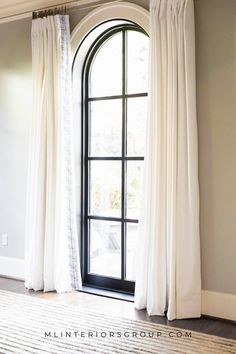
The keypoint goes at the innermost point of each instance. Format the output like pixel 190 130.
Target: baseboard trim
pixel 12 268
pixel 214 304
pixel 219 305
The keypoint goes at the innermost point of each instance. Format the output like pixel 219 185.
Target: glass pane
pixel 105 188
pixel 136 126
pixel 131 244
pixel 106 69
pixel 105 248
pixel 137 65
pixel 134 188
pixel 106 128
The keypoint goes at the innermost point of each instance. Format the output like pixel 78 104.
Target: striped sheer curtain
pixel 52 257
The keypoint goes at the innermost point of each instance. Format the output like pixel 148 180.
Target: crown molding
pixel 11 10
pixel 17 7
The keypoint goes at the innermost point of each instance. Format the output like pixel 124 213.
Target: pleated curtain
pixel 52 257
pixel 168 268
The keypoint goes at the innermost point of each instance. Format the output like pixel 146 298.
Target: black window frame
pixel 94 280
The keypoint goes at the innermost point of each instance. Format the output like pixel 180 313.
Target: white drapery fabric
pixel 168 268
pixel 52 257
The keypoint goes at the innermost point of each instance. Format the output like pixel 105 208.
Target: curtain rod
pixel 50 12
pixel 80 4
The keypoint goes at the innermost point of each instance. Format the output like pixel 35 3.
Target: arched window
pixel 114 116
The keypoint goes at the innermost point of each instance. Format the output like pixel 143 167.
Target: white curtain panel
pixel 168 268
pixel 52 257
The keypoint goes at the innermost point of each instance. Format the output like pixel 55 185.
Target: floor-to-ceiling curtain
pixel 52 258
pixel 168 267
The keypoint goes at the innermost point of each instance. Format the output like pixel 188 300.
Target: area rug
pixel 32 325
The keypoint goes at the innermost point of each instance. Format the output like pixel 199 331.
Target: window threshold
pixel 107 293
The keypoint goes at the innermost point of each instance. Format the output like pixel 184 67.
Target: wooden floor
pixel 125 309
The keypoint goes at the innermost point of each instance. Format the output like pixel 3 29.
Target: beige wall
pixel 15 107
pixel 216 103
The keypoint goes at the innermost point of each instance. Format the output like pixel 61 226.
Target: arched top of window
pixel 116 63
pixel 104 17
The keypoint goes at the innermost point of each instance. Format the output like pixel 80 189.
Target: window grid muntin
pixel 126 285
